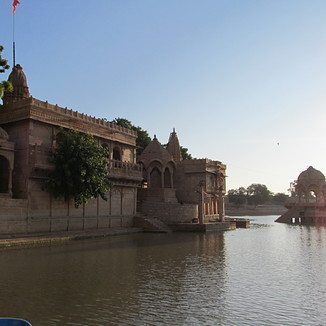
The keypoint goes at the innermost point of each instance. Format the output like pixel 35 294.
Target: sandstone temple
pixel 308 203
pixel 158 184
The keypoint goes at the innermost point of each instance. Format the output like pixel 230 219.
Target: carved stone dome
pixel 311 175
pixel 155 150
pixel 3 134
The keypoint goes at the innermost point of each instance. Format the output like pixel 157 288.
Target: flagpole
pixel 13 41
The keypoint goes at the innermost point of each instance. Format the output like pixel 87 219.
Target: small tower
pixel 19 82
pixel 173 146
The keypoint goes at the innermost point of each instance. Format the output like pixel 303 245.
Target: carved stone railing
pixel 121 169
pixel 87 118
pixel 39 159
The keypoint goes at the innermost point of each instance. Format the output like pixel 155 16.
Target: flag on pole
pixel 14 5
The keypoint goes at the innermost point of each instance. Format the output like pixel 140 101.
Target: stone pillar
pixel 221 206
pixel 10 182
pixel 201 213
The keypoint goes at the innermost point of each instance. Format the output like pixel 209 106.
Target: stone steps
pixel 151 224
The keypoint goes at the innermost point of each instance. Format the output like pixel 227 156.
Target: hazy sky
pixel 243 82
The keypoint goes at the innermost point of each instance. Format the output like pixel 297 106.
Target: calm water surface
pixel 270 274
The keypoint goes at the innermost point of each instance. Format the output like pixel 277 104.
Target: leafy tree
pixel 143 138
pixel 4 85
pixel 237 196
pixel 184 153
pixel 258 194
pixel 280 198
pixel 80 171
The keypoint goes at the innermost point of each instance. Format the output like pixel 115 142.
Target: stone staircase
pixel 151 224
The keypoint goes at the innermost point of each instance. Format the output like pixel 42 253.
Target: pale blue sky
pixel 233 77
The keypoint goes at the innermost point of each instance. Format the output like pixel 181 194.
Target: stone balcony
pixel 124 170
pixel 117 170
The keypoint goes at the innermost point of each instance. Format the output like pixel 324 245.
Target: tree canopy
pixel 258 194
pixel 4 85
pixel 80 171
pixel 237 196
pixel 184 153
pixel 143 139
pixel 255 194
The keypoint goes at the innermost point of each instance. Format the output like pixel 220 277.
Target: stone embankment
pixel 31 240
pixel 248 210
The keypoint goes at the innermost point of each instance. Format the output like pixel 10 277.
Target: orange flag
pixel 14 4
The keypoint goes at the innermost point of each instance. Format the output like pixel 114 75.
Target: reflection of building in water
pixel 308 206
pixel 28 132
pixel 176 190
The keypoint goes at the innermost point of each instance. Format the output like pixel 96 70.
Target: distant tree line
pixel 255 194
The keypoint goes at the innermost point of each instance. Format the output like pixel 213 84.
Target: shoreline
pixel 260 210
pixel 44 239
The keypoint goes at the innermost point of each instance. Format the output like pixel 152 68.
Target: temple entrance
pixel 4 175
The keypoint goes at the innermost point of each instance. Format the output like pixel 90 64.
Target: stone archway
pixel 155 178
pixel 4 174
pixel 167 178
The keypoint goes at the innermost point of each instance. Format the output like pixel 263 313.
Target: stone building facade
pixel 176 190
pixel 28 130
pixel 160 184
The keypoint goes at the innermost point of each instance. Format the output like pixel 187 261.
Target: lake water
pixel 270 274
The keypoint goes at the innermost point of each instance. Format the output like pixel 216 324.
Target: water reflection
pixel 270 274
pixel 133 278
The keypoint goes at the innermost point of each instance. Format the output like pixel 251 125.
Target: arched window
pixel 313 196
pixel 4 175
pixel 155 178
pixel 167 178
pixel 116 154
pixel 302 196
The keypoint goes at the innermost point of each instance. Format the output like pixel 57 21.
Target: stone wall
pixel 170 212
pixel 42 213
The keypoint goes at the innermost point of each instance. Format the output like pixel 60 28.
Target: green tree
pixel 280 198
pixel 143 138
pixel 184 153
pixel 80 171
pixel 258 194
pixel 237 196
pixel 4 85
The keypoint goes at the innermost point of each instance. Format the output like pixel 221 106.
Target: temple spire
pixel 173 146
pixel 19 82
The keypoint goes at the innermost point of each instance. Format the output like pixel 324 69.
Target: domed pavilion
pixel 308 206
